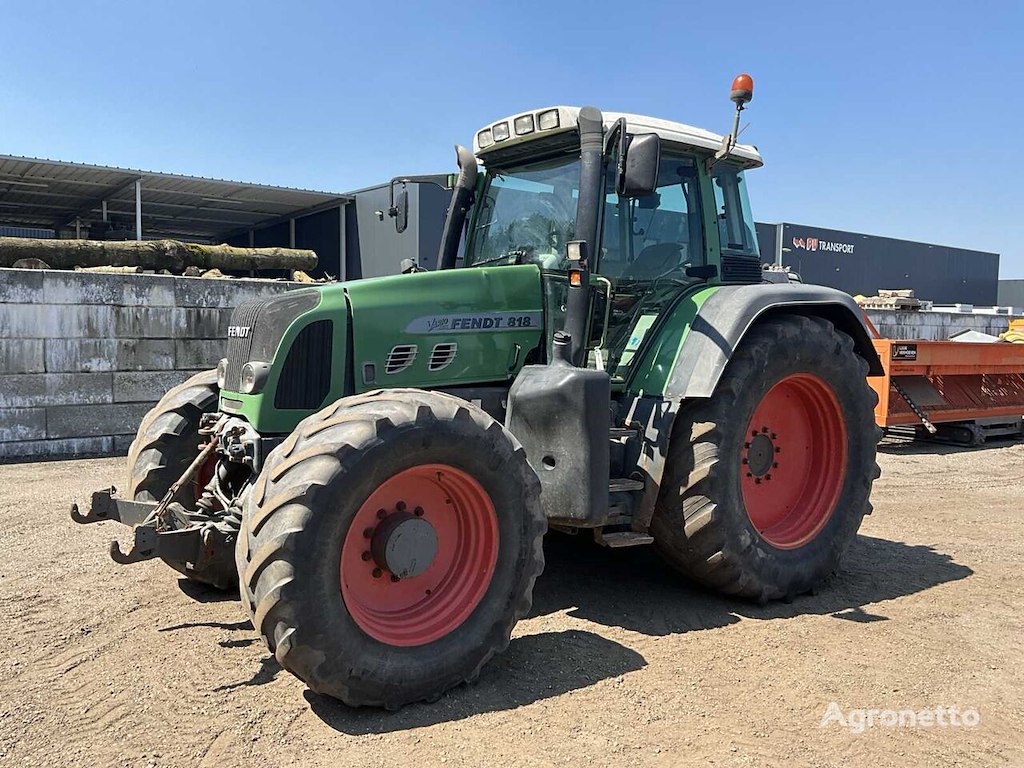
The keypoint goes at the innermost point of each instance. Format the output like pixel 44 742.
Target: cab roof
pixel 567 120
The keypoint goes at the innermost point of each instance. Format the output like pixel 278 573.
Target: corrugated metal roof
pixel 36 192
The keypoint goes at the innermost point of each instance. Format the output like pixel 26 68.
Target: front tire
pixel 769 479
pixel 390 545
pixel 166 443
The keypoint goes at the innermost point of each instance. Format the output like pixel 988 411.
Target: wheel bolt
pixel 368 533
pixel 775 465
pixel 400 506
pixel 377 573
pixel 768 477
pixel 750 474
pixel 744 461
pixel 765 430
pixel 381 514
pixel 757 480
pixel 746 445
pixel 366 555
pixel 418 511
pixel 778 450
pixel 753 433
pixel 774 436
pixel 394 579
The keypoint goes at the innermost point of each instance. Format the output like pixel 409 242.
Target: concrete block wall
pixel 84 356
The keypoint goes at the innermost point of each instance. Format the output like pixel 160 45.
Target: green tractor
pixel 375 463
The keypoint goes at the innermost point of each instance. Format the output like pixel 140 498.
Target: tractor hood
pixel 429 329
pixel 446 328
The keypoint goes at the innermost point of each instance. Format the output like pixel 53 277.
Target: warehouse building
pixel 862 264
pixel 48 198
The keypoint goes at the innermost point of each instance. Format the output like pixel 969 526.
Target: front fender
pixel 724 318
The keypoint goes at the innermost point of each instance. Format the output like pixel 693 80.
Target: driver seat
pixel 656 260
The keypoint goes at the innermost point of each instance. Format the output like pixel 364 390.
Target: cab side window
pixel 732 211
pixel 658 235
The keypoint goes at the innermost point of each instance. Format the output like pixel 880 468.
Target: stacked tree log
pixel 155 255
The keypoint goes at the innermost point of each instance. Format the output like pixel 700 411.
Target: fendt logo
pixel 239 331
pixel 814 244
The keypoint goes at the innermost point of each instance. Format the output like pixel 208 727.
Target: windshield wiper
pixel 492 259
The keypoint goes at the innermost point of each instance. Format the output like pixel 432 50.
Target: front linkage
pixel 201 540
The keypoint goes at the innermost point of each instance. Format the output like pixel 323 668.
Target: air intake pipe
pixel 458 209
pixel 588 206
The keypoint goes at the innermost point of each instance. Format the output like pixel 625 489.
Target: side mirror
pixel 639 176
pixel 399 210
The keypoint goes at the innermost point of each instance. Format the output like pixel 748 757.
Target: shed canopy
pixel 58 195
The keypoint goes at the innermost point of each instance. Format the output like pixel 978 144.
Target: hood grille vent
pixel 442 355
pixel 400 357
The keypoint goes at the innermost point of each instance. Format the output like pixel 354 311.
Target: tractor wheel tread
pixel 716 545
pixel 287 497
pixel 165 444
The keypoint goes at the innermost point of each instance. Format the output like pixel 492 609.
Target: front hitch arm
pixel 188 543
pixel 107 505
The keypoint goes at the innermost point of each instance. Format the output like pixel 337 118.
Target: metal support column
pixel 778 243
pixel 291 233
pixel 103 206
pixel 138 210
pixel 343 258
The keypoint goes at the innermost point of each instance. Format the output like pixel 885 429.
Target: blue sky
pixel 898 118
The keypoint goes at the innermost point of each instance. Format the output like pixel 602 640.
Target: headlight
pixel 500 131
pixel 524 124
pixel 484 138
pixel 548 120
pixel 254 375
pixel 222 373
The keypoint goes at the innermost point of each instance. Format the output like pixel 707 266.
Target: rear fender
pixel 725 317
pixel 720 319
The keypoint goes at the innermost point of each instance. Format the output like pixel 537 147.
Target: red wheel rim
pixel 426 606
pixel 794 461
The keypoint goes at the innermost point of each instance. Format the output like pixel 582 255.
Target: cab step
pixel 618 539
pixel 624 485
pixel 617 432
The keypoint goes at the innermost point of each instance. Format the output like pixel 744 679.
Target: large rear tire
pixel 769 479
pixel 167 441
pixel 390 545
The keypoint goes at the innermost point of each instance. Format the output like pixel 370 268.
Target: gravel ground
pixel 620 663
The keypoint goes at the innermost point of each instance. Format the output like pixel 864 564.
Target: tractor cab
pixel 688 222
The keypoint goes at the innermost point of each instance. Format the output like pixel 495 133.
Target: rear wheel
pixel 389 546
pixel 768 481
pixel 166 443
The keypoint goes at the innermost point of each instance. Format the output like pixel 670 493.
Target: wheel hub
pixel 760 454
pixel 404 544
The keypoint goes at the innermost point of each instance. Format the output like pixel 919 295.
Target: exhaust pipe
pixel 591 126
pixel 458 209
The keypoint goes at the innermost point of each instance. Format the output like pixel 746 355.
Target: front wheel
pixel 166 443
pixel 390 545
pixel 768 481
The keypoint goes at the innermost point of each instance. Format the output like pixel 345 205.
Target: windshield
pixel 527 215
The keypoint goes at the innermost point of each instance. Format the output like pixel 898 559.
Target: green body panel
pixel 259 409
pixel 658 352
pixel 494 316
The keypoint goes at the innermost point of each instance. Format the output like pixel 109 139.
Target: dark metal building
pixel 863 264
